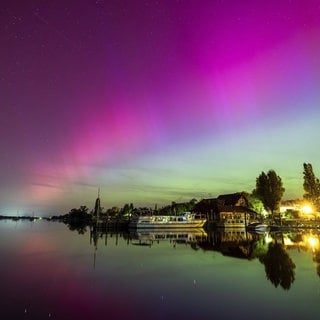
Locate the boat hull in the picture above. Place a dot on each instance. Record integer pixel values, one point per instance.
(169, 234)
(257, 227)
(167, 225)
(165, 222)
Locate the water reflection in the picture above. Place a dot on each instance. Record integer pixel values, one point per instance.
(271, 249)
(235, 243)
(278, 265)
(192, 274)
(190, 237)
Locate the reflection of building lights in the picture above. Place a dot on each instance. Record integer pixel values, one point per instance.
(287, 241)
(267, 238)
(264, 213)
(312, 241)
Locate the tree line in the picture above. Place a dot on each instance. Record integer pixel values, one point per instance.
(269, 189)
(268, 192)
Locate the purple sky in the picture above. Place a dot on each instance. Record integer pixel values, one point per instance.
(154, 101)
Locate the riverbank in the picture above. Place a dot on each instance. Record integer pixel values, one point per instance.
(123, 224)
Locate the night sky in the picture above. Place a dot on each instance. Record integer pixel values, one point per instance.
(154, 101)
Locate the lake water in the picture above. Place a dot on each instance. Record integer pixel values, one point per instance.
(50, 272)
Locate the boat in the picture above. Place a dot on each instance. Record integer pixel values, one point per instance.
(257, 226)
(145, 236)
(187, 220)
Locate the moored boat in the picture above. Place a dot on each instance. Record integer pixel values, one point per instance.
(183, 235)
(187, 220)
(257, 226)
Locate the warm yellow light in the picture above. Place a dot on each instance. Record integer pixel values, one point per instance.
(267, 238)
(312, 241)
(306, 209)
(287, 242)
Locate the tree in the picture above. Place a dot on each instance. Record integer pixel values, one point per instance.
(254, 203)
(126, 210)
(78, 219)
(192, 204)
(278, 266)
(79, 214)
(113, 212)
(316, 259)
(311, 185)
(269, 190)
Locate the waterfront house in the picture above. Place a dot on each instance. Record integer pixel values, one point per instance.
(228, 210)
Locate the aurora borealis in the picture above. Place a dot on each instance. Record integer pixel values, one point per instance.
(154, 101)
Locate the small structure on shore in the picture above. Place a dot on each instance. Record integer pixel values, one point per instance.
(229, 210)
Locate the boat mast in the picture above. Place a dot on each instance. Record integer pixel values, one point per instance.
(97, 207)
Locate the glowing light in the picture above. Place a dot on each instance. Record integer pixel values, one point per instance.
(312, 241)
(267, 238)
(307, 209)
(287, 241)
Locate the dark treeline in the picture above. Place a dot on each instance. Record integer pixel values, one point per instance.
(267, 196)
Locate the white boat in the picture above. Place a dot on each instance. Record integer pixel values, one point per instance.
(183, 235)
(187, 220)
(257, 226)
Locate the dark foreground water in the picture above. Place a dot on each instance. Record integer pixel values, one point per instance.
(50, 272)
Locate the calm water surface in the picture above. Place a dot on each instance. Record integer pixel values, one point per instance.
(50, 272)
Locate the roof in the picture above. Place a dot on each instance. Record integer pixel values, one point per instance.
(235, 209)
(205, 205)
(233, 199)
(236, 202)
